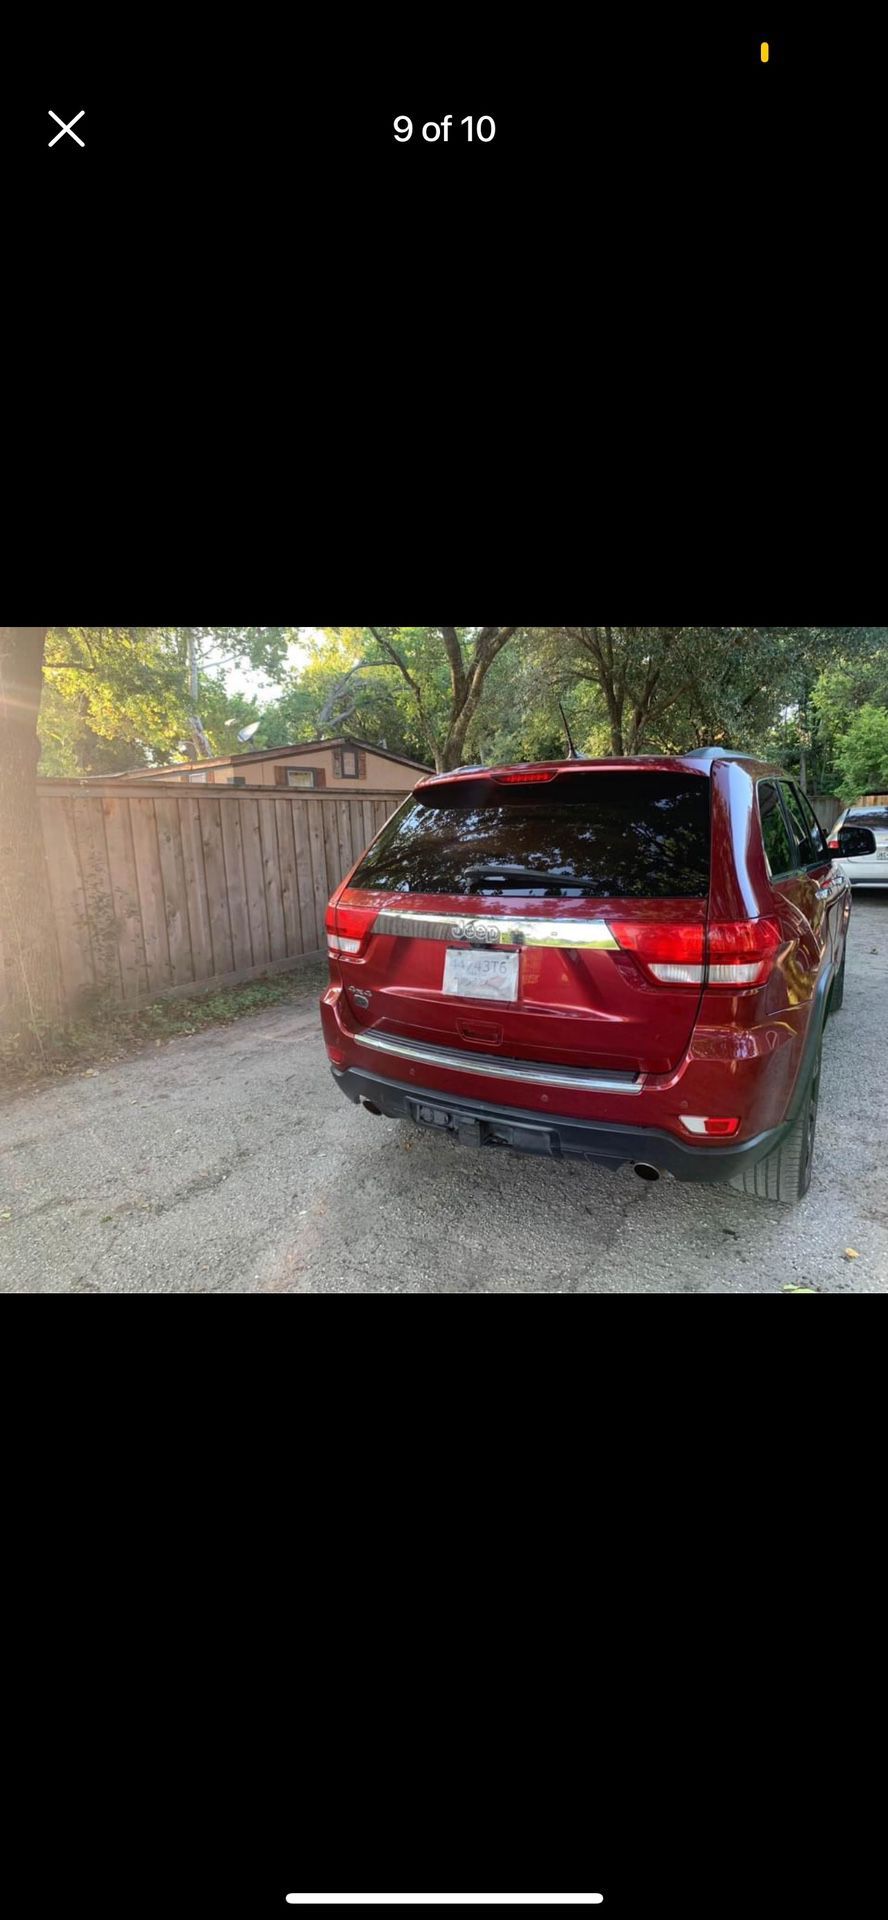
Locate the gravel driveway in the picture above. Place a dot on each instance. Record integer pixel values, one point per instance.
(229, 1163)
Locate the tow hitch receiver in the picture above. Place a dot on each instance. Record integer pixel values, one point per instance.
(472, 1132)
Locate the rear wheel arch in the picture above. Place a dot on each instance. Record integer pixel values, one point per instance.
(784, 1174)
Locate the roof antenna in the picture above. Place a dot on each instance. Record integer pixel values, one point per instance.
(573, 754)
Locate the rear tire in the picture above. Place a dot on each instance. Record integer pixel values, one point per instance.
(785, 1174)
(838, 992)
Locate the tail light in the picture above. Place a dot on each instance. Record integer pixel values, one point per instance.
(713, 1126)
(834, 846)
(348, 928)
(729, 953)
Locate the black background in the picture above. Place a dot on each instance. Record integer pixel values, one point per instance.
(667, 258)
(311, 1609)
(301, 1611)
(600, 116)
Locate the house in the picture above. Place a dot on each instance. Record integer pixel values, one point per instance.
(343, 764)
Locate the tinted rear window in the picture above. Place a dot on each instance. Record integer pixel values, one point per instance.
(868, 816)
(641, 836)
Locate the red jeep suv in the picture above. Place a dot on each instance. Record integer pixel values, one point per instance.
(625, 960)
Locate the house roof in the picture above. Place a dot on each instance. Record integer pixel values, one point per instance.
(266, 753)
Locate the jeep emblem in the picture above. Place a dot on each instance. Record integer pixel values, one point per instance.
(478, 930)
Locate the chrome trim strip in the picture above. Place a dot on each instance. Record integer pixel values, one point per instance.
(523, 930)
(592, 1079)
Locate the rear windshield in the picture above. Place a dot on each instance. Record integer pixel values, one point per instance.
(642, 836)
(868, 816)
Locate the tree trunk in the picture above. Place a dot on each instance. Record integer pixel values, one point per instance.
(467, 686)
(30, 985)
(452, 751)
(598, 643)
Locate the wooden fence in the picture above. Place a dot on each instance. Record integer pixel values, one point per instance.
(158, 891)
(827, 808)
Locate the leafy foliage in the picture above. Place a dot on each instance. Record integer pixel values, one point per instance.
(338, 688)
(118, 697)
(416, 689)
(862, 753)
(115, 697)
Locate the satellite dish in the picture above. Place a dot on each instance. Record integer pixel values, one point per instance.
(246, 733)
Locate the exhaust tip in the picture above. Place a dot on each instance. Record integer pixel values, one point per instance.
(644, 1171)
(370, 1108)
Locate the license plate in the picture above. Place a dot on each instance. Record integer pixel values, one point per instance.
(481, 976)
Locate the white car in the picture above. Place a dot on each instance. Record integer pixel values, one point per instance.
(860, 840)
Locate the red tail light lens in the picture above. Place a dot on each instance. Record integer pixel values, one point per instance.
(834, 846)
(670, 954)
(741, 952)
(730, 953)
(348, 928)
(714, 1127)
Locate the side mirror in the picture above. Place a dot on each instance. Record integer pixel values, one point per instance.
(854, 841)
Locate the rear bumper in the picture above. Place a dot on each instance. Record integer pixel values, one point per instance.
(480, 1123)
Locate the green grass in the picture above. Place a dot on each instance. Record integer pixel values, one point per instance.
(110, 1032)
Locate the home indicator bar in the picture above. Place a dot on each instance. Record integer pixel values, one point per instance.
(445, 1899)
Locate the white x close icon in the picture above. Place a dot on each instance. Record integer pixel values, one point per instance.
(67, 129)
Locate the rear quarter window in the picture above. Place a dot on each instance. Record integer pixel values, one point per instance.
(779, 851)
(808, 853)
(619, 835)
(815, 830)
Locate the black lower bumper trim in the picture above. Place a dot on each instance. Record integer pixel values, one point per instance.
(480, 1124)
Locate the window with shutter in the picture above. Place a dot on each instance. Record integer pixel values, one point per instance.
(348, 764)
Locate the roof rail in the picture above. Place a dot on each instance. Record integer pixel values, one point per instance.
(718, 753)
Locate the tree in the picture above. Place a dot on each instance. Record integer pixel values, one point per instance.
(30, 992)
(418, 689)
(210, 650)
(855, 677)
(674, 687)
(429, 657)
(133, 690)
(862, 753)
(330, 693)
(124, 686)
(665, 686)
